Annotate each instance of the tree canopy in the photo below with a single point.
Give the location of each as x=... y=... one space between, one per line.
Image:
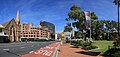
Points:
x=76 y=19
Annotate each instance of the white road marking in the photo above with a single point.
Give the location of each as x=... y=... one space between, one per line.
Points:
x=22 y=47
x=31 y=51
x=6 y=49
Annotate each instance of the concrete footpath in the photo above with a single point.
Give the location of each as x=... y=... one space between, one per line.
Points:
x=70 y=51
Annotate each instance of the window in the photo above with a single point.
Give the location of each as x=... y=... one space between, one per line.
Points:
x=11 y=32
x=0 y=30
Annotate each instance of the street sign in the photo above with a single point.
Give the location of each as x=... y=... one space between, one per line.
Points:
x=63 y=34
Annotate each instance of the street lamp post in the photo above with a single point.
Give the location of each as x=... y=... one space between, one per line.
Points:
x=118 y=17
x=117 y=2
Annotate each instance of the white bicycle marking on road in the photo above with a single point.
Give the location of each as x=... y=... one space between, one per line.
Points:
x=31 y=51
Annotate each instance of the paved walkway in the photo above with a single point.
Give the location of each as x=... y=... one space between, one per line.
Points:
x=70 y=51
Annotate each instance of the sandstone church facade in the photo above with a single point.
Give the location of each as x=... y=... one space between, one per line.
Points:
x=12 y=28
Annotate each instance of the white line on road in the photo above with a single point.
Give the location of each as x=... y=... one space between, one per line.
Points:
x=6 y=49
x=31 y=51
x=22 y=47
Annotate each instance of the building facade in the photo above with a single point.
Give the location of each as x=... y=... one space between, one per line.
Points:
x=30 y=31
x=3 y=37
x=12 y=28
x=1 y=30
x=18 y=25
x=50 y=27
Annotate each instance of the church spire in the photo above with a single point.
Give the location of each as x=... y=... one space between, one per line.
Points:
x=18 y=17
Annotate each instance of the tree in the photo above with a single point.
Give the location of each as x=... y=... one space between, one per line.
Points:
x=77 y=18
x=68 y=27
x=96 y=27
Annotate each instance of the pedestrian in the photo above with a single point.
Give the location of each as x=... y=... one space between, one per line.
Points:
x=61 y=42
x=26 y=40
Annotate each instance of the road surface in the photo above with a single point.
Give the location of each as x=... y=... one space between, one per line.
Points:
x=17 y=49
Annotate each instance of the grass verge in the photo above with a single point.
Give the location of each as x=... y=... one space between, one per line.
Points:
x=102 y=46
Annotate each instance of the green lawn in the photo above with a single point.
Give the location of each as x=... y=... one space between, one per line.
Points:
x=102 y=46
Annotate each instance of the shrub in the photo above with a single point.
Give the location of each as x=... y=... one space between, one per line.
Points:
x=87 y=43
x=93 y=47
x=77 y=43
x=113 y=52
x=116 y=54
x=84 y=44
x=67 y=40
x=116 y=43
x=72 y=42
x=89 y=47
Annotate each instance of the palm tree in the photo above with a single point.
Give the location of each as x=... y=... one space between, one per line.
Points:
x=117 y=2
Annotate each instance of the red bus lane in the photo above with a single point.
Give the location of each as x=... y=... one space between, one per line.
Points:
x=43 y=52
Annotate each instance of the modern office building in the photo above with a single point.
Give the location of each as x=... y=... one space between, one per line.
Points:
x=50 y=27
x=30 y=31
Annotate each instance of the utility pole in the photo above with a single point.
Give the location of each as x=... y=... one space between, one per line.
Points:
x=118 y=18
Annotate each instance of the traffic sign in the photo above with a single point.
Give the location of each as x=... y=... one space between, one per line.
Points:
x=63 y=34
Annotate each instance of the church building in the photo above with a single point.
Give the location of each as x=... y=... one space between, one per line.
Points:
x=12 y=28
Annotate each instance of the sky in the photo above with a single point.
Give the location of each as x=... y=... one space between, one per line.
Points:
x=54 y=11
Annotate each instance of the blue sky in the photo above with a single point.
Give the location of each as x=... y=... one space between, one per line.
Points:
x=54 y=11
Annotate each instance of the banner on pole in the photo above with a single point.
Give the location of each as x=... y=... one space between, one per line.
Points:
x=87 y=16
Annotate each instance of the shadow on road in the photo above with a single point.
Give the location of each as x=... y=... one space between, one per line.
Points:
x=13 y=53
x=89 y=53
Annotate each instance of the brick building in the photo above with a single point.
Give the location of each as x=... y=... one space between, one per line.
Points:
x=14 y=31
x=30 y=31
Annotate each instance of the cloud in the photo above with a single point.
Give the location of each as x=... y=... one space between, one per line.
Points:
x=67 y=3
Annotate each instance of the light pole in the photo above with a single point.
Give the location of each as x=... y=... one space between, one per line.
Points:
x=117 y=2
x=118 y=16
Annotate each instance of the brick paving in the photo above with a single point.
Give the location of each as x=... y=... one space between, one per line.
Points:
x=70 y=51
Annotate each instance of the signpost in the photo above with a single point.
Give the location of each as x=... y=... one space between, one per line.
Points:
x=63 y=34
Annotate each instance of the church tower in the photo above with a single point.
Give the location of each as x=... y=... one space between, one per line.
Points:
x=18 y=18
x=18 y=26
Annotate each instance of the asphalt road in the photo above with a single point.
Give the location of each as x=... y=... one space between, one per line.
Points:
x=17 y=49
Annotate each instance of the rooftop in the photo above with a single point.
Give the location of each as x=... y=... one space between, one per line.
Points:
x=1 y=26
